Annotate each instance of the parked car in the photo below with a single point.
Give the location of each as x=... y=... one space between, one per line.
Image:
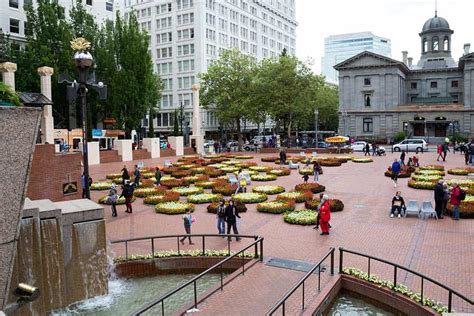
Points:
x=411 y=145
x=322 y=144
x=358 y=146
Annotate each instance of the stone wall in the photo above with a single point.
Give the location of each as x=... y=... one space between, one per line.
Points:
x=50 y=170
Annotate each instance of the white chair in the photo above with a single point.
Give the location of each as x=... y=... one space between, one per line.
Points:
x=168 y=164
x=293 y=165
x=412 y=208
x=427 y=210
x=314 y=154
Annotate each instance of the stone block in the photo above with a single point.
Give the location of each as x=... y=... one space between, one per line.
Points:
x=176 y=142
x=199 y=142
x=94 y=154
x=124 y=148
x=153 y=146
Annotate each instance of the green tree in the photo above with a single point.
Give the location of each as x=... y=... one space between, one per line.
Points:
x=226 y=88
x=8 y=95
x=151 y=128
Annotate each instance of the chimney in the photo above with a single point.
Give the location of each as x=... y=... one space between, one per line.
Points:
x=467 y=48
x=405 y=56
x=410 y=61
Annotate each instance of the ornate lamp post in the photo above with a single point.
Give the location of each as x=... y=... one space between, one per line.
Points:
x=316 y=116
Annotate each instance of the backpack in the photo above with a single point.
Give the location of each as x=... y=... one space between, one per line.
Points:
x=462 y=195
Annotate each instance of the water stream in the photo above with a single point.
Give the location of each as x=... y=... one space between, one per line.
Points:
x=348 y=305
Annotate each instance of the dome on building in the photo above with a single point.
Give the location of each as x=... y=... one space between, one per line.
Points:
x=436 y=23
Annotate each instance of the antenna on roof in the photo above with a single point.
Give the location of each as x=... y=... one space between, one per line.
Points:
x=436 y=8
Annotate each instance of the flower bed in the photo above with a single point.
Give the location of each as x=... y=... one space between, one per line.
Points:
x=230 y=169
x=260 y=168
x=246 y=165
x=280 y=172
x=461 y=171
x=263 y=177
x=423 y=177
x=198 y=170
x=343 y=159
x=181 y=173
x=243 y=157
x=169 y=196
x=100 y=186
x=388 y=173
x=335 y=205
x=400 y=288
x=432 y=167
x=313 y=187
x=213 y=172
x=204 y=198
x=170 y=170
x=226 y=189
x=187 y=166
x=276 y=207
x=330 y=162
x=466 y=209
x=268 y=189
x=430 y=172
x=306 y=171
x=112 y=176
x=269 y=159
x=172 y=208
x=303 y=217
x=117 y=180
x=462 y=182
x=212 y=208
x=185 y=191
x=194 y=179
x=144 y=192
x=219 y=159
x=422 y=185
x=173 y=183
x=230 y=163
x=205 y=184
x=297 y=196
x=362 y=160
x=147 y=175
x=249 y=197
x=120 y=201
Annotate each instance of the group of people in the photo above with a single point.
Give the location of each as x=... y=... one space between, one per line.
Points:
x=316 y=172
x=442 y=195
x=376 y=150
x=128 y=188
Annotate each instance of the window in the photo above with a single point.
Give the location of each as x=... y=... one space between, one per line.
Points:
x=435 y=44
x=425 y=45
x=367 y=99
x=184 y=50
x=27 y=28
x=165 y=117
x=446 y=44
x=366 y=81
x=368 y=125
x=167 y=83
x=109 y=6
x=14 y=26
x=13 y=4
x=166 y=100
x=413 y=85
x=434 y=84
x=454 y=84
x=184 y=4
x=186 y=65
x=89 y=2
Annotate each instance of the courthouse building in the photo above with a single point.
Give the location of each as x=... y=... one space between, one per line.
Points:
x=380 y=96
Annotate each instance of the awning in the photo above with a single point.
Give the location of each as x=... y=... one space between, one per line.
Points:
x=34 y=99
x=114 y=133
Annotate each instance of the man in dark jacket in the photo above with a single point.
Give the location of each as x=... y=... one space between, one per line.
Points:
x=125 y=175
x=137 y=175
x=439 y=196
x=367 y=150
x=282 y=157
x=231 y=215
x=127 y=192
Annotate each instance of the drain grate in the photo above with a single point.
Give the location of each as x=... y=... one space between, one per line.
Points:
x=295 y=265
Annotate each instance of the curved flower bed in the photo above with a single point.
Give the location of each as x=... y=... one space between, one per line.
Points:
x=147 y=175
x=243 y=157
x=169 y=196
x=173 y=183
x=194 y=179
x=330 y=162
x=144 y=192
x=432 y=167
x=405 y=172
x=461 y=171
x=187 y=166
x=306 y=171
x=181 y=173
x=280 y=172
x=205 y=184
x=263 y=177
x=230 y=169
x=230 y=163
x=462 y=182
x=249 y=197
x=430 y=172
x=423 y=177
x=185 y=191
x=343 y=159
x=268 y=189
x=204 y=198
x=117 y=180
x=313 y=187
x=260 y=168
x=120 y=201
x=335 y=205
x=362 y=160
x=198 y=170
x=303 y=217
x=422 y=185
x=246 y=165
x=212 y=208
x=297 y=196
x=226 y=189
x=213 y=172
x=100 y=186
x=276 y=207
x=269 y=159
x=172 y=208
x=219 y=159
x=112 y=176
x=170 y=170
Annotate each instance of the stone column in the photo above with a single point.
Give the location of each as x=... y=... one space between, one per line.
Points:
x=8 y=74
x=47 y=123
x=197 y=133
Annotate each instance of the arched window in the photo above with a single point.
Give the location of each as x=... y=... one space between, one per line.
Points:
x=425 y=45
x=435 y=44
x=446 y=44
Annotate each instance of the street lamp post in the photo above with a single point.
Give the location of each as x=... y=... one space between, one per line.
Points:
x=316 y=115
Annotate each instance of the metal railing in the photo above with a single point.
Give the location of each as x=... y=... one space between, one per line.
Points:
x=317 y=266
x=397 y=267
x=257 y=244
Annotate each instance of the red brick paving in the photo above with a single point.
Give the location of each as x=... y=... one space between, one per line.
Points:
x=440 y=249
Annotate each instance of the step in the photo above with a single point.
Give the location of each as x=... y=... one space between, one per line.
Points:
x=167 y=152
x=107 y=156
x=141 y=154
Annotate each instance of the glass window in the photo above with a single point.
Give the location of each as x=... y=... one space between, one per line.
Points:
x=13 y=3
x=413 y=85
x=14 y=26
x=434 y=84
x=454 y=84
x=366 y=81
x=367 y=99
x=435 y=44
x=368 y=125
x=109 y=6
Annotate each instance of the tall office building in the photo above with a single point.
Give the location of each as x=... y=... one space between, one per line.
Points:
x=187 y=35
x=338 y=48
x=13 y=15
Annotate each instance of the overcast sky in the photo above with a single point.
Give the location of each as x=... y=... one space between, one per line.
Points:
x=398 y=20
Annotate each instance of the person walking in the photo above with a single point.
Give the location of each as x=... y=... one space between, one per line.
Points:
x=282 y=157
x=402 y=158
x=321 y=195
x=324 y=215
x=125 y=174
x=231 y=215
x=316 y=170
x=127 y=193
x=112 y=199
x=416 y=161
x=221 y=210
x=457 y=195
x=445 y=148
x=439 y=197
x=374 y=149
x=439 y=150
x=188 y=220
x=158 y=176
x=136 y=175
x=367 y=150
x=396 y=167
x=305 y=178
x=466 y=155
x=446 y=197
x=398 y=204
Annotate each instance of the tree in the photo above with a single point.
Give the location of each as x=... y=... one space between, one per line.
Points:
x=226 y=88
x=8 y=95
x=151 y=128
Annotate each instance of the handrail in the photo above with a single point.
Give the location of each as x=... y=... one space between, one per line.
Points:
x=395 y=273
x=258 y=240
x=281 y=302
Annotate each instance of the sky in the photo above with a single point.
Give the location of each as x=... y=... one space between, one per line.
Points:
x=399 y=20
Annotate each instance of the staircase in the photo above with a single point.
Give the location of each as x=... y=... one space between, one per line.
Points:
x=107 y=156
x=167 y=152
x=141 y=154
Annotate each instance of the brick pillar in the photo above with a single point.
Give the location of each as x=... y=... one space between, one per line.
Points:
x=8 y=74
x=47 y=122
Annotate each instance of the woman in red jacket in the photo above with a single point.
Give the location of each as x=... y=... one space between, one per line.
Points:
x=324 y=215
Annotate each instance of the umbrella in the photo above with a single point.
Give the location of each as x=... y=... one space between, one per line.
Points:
x=336 y=139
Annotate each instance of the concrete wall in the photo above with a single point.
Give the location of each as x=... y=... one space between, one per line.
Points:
x=153 y=146
x=124 y=148
x=94 y=154
x=176 y=142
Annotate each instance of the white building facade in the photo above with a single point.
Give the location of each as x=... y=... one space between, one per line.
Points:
x=187 y=35
x=13 y=16
x=338 y=48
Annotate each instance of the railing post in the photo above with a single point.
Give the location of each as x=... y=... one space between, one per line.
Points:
x=422 y=279
x=341 y=252
x=243 y=264
x=283 y=309
x=203 y=245
x=126 y=250
x=228 y=246
x=261 y=250
x=332 y=261
x=177 y=241
x=256 y=248
x=368 y=267
x=302 y=299
x=222 y=279
x=195 y=296
x=163 y=307
x=450 y=301
x=319 y=277
x=153 y=247
x=395 y=277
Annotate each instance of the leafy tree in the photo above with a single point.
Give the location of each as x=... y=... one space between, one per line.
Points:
x=226 y=88
x=3 y=47
x=8 y=95
x=151 y=128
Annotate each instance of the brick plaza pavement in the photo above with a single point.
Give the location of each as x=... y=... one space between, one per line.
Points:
x=442 y=249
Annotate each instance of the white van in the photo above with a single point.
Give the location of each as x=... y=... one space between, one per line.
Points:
x=411 y=145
